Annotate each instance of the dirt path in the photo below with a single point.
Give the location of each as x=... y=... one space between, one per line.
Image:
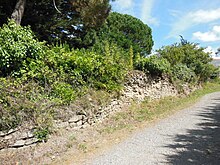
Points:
x=191 y=136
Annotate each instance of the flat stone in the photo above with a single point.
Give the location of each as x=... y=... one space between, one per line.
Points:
x=79 y=123
x=31 y=141
x=63 y=125
x=19 y=143
x=30 y=134
x=23 y=135
x=75 y=119
x=72 y=125
x=2 y=134
x=12 y=131
x=7 y=137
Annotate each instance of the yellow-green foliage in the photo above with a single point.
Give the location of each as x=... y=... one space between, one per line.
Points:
x=35 y=79
x=153 y=65
x=131 y=56
x=88 y=68
x=18 y=48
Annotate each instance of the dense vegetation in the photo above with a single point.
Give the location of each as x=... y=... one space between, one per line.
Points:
x=32 y=72
x=125 y=31
x=38 y=78
x=188 y=62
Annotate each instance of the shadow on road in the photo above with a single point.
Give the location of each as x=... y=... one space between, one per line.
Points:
x=199 y=146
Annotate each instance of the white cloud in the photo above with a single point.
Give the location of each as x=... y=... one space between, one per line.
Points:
x=130 y=7
x=210 y=50
x=205 y=16
x=124 y=4
x=216 y=29
x=125 y=7
x=210 y=36
x=191 y=19
x=146 y=10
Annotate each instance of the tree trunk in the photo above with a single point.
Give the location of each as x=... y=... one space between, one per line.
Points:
x=18 y=11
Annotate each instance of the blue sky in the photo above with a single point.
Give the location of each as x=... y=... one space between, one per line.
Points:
x=196 y=20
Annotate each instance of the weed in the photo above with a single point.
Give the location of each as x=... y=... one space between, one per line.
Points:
x=72 y=137
x=82 y=147
x=41 y=134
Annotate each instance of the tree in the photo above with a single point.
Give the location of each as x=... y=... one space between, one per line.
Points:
x=75 y=19
x=124 y=30
x=218 y=52
x=18 y=11
x=183 y=41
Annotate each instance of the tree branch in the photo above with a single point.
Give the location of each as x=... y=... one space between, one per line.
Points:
x=54 y=3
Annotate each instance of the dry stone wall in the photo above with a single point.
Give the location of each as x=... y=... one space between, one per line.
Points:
x=138 y=87
x=16 y=138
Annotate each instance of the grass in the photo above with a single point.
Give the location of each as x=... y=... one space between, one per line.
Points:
x=72 y=137
x=83 y=147
x=151 y=110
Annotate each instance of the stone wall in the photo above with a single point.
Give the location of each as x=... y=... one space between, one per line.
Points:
x=19 y=137
x=138 y=87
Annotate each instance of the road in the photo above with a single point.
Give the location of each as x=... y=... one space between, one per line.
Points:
x=188 y=137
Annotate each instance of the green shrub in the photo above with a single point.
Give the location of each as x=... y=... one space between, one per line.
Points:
x=208 y=71
x=183 y=73
x=174 y=54
x=18 y=48
x=63 y=91
x=192 y=56
x=88 y=68
x=154 y=65
x=42 y=134
x=216 y=73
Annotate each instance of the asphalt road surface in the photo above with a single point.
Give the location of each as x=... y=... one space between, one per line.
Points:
x=189 y=137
